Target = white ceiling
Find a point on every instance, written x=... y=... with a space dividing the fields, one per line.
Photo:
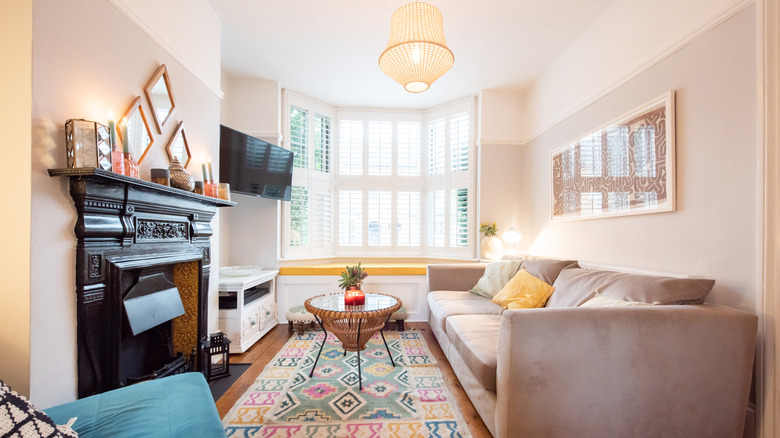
x=329 y=50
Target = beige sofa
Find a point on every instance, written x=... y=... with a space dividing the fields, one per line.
x=677 y=369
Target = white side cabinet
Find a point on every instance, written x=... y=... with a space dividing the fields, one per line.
x=247 y=308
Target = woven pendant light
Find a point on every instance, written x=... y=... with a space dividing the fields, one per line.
x=416 y=54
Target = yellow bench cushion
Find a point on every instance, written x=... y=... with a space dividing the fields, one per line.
x=371 y=269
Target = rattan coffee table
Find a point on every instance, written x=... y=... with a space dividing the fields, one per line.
x=352 y=325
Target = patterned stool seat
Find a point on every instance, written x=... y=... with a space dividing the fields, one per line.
x=298 y=317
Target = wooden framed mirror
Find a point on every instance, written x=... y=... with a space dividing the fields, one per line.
x=135 y=131
x=178 y=146
x=160 y=96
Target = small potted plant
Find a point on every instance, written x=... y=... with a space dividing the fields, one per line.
x=491 y=246
x=351 y=279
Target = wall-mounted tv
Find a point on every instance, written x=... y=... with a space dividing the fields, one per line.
x=254 y=167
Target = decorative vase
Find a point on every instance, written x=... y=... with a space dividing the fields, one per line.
x=117 y=161
x=131 y=167
x=179 y=177
x=491 y=248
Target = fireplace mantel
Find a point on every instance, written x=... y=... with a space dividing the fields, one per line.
x=125 y=225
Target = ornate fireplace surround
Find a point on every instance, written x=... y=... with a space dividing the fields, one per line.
x=130 y=230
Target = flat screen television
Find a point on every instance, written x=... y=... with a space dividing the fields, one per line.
x=254 y=167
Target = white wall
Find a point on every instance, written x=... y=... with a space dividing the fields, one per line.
x=499 y=115
x=88 y=59
x=628 y=38
x=252 y=106
x=187 y=29
x=714 y=232
x=16 y=89
x=256 y=108
x=500 y=188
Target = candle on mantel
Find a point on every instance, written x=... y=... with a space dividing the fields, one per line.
x=117 y=157
x=211 y=174
x=205 y=173
x=125 y=144
x=112 y=128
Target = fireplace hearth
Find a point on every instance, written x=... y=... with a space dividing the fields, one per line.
x=143 y=263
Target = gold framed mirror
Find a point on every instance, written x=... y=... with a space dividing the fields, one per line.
x=160 y=96
x=135 y=134
x=179 y=147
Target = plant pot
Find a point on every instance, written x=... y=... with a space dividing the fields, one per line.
x=491 y=248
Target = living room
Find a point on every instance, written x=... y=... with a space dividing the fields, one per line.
x=85 y=59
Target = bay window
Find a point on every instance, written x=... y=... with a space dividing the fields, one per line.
x=380 y=183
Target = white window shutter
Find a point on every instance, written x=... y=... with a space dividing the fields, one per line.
x=380 y=147
x=437 y=144
x=321 y=143
x=350 y=218
x=409 y=218
x=459 y=218
x=460 y=134
x=409 y=154
x=380 y=215
x=350 y=147
x=299 y=136
x=299 y=217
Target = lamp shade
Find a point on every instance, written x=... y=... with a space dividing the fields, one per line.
x=512 y=236
x=417 y=53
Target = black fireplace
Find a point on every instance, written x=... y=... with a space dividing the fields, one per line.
x=142 y=272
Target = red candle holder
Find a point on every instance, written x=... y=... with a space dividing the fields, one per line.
x=354 y=297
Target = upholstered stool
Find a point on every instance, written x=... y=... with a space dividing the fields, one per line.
x=398 y=316
x=298 y=317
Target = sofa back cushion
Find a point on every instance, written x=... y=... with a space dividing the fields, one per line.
x=496 y=276
x=575 y=286
x=546 y=270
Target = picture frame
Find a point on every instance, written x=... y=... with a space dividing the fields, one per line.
x=625 y=167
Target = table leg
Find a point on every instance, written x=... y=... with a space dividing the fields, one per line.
x=360 y=376
x=381 y=332
x=321 y=345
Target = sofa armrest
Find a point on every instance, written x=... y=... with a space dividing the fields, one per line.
x=624 y=371
x=455 y=276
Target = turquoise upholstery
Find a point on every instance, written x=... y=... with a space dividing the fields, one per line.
x=175 y=406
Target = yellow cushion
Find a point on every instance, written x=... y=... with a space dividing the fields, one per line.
x=524 y=291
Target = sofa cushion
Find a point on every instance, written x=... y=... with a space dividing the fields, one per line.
x=574 y=286
x=523 y=291
x=496 y=275
x=599 y=300
x=445 y=303
x=475 y=337
x=545 y=269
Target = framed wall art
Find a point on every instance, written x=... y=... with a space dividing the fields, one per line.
x=625 y=167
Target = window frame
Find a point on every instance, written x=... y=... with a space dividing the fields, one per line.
x=423 y=184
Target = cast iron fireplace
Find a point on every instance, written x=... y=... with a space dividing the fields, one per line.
x=142 y=273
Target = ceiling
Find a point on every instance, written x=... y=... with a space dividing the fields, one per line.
x=329 y=50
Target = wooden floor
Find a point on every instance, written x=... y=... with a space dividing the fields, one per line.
x=265 y=349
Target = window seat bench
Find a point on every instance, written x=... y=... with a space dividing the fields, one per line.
x=407 y=281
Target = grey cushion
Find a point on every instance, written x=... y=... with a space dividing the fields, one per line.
x=497 y=275
x=445 y=303
x=574 y=286
x=545 y=269
x=476 y=339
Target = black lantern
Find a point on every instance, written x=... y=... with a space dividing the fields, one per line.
x=87 y=144
x=217 y=346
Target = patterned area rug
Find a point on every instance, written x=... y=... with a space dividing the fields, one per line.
x=410 y=400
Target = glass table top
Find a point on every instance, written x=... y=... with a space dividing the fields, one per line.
x=335 y=302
